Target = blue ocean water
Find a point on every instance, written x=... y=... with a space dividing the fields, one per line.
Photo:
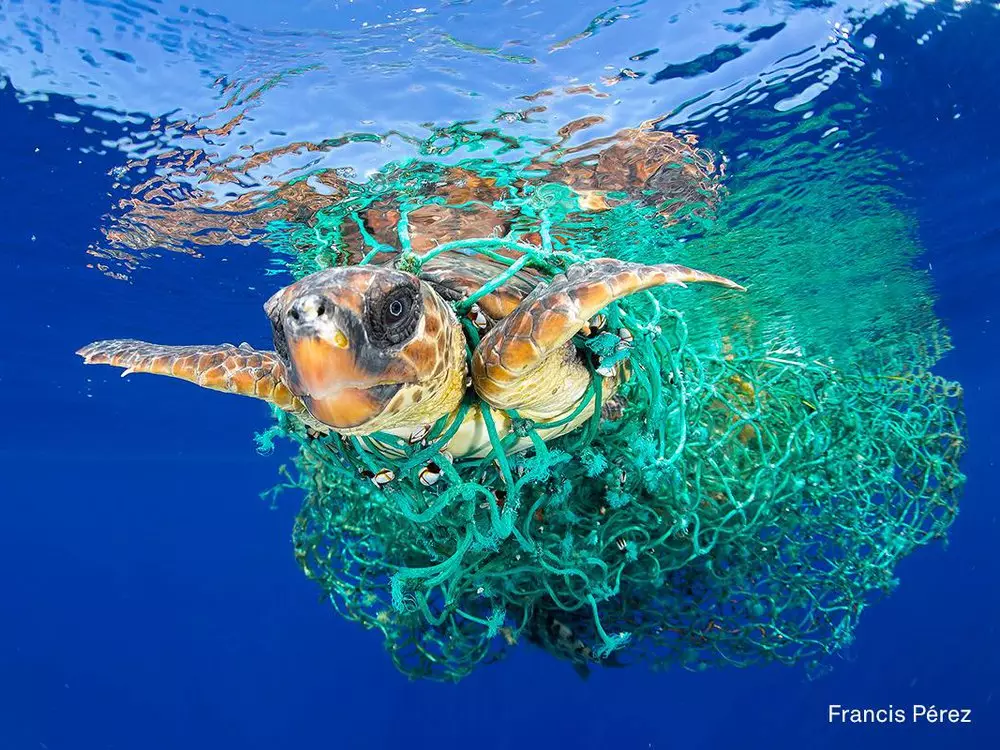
x=151 y=600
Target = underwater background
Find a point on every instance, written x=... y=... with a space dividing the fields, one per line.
x=152 y=599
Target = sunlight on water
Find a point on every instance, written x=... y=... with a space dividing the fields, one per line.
x=199 y=103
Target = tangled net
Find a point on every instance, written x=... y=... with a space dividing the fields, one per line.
x=747 y=506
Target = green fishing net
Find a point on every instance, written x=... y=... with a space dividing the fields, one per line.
x=771 y=465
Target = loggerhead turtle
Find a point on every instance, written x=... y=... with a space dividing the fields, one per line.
x=366 y=349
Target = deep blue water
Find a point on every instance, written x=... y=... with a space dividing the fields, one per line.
x=151 y=601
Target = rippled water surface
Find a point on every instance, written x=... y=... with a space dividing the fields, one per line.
x=163 y=163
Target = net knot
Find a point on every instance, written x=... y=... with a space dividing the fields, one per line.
x=522 y=427
x=409 y=262
x=549 y=196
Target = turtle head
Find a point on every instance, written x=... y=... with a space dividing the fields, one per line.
x=368 y=348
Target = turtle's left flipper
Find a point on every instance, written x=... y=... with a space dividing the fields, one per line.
x=223 y=367
x=518 y=364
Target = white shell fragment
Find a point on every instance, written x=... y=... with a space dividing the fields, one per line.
x=626 y=338
x=478 y=317
x=383 y=477
x=419 y=434
x=430 y=474
x=607 y=371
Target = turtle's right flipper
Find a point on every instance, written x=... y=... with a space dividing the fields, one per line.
x=513 y=367
x=222 y=367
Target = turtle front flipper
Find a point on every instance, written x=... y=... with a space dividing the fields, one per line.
x=223 y=367
x=527 y=361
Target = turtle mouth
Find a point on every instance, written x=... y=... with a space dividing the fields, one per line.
x=351 y=407
x=337 y=389
x=384 y=391
x=322 y=368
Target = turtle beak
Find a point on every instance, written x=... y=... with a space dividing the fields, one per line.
x=331 y=366
x=318 y=366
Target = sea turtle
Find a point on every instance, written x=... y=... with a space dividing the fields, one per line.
x=371 y=348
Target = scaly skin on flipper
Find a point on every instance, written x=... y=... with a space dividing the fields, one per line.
x=233 y=369
x=527 y=363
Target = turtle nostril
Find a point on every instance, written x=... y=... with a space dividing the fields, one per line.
x=308 y=310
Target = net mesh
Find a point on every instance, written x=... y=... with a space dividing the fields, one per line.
x=746 y=505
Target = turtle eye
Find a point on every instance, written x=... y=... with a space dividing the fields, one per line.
x=396 y=306
x=394 y=318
